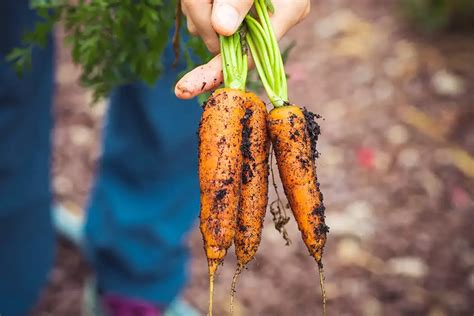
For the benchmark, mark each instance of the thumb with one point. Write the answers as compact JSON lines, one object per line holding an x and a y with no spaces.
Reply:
{"x":227,"y":15}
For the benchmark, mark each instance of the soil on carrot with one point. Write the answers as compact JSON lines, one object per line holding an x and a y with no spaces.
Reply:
{"x":247,"y":173}
{"x":314,"y":130}
{"x":396,"y":169}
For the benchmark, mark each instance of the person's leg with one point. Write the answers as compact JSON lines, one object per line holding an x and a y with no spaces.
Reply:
{"x":26,"y":235}
{"x":146,"y":196}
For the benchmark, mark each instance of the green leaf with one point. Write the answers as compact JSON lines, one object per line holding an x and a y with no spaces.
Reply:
{"x":15,"y":54}
{"x":21,"y":59}
{"x":114,"y":41}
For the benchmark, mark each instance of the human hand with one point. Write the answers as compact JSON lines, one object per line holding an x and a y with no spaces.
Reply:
{"x":208,"y":19}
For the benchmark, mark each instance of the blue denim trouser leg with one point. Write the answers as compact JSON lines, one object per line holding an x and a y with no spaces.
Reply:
{"x":146,"y":196}
{"x":26,"y":234}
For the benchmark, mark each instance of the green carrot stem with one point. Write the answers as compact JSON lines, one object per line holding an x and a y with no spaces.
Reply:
{"x":268,"y":45}
{"x":276,"y":50}
{"x":234,"y":61}
{"x":266,"y":54}
{"x":267,"y":28}
{"x":276,"y":101}
{"x":260,"y":42}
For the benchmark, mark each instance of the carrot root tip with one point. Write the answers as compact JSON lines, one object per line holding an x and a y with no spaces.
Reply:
{"x":323,"y":289}
{"x":211,"y":293}
{"x":238,"y":271}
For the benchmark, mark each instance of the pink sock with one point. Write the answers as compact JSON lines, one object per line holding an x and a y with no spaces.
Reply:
{"x":116,"y":305}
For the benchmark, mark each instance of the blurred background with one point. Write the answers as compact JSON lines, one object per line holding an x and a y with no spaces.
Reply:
{"x":394,"y":82}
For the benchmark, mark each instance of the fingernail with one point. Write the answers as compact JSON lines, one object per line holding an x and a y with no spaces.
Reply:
{"x":227,"y":17}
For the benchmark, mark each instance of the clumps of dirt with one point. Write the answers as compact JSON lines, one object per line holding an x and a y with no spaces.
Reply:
{"x":321,"y":196}
{"x":246,"y":132}
{"x":314,"y":130}
{"x":322,"y":229}
{"x":228,"y":181}
{"x":221,"y":194}
{"x":319,"y":211}
{"x":241,"y":227}
{"x":294,"y":135}
{"x":247,"y":173}
{"x":305,"y":163}
{"x":292,"y":119}
{"x":210,"y":102}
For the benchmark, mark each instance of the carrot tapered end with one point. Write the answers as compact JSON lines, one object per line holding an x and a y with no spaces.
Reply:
{"x":323,"y":289}
{"x":234,"y":285}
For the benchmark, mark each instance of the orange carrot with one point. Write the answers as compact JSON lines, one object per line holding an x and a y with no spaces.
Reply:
{"x":293,"y":133}
{"x":220,"y":171}
{"x":254,"y":197}
{"x":295,"y":148}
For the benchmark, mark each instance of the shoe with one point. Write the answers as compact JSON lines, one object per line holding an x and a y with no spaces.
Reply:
{"x":179,"y":307}
{"x":114,"y":305}
{"x":69,"y":223}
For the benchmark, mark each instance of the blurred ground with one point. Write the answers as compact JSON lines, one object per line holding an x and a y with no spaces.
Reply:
{"x":397,"y":172}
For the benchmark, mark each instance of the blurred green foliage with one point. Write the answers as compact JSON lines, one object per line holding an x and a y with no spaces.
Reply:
{"x":434,"y":15}
{"x":114,"y":41}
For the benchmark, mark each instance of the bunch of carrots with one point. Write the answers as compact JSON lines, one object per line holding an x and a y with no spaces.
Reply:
{"x":235,"y":136}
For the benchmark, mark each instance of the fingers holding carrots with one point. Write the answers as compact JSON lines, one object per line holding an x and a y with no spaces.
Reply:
{"x":202,"y":79}
{"x":206,"y":19}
